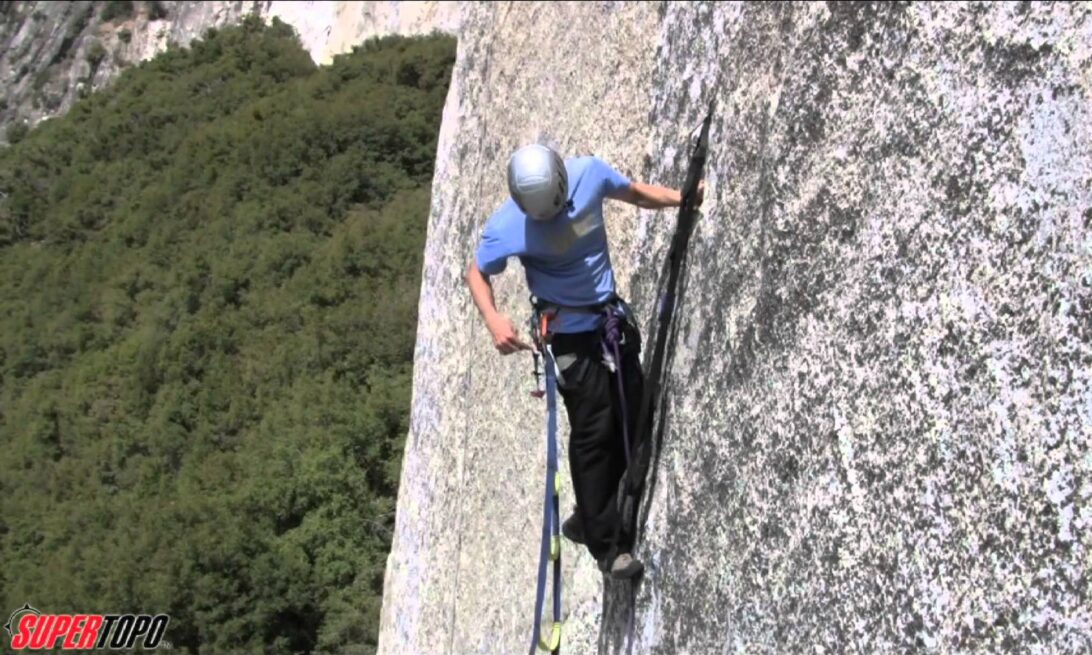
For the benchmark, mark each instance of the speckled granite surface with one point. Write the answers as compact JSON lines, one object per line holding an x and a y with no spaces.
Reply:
{"x":880,"y":404}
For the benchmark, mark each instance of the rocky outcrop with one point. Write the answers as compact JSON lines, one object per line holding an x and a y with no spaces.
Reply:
{"x":53,"y":53}
{"x":878,"y":408}
{"x":328,"y":29}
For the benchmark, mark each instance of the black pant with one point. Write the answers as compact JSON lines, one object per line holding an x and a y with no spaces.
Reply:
{"x":597,"y":457}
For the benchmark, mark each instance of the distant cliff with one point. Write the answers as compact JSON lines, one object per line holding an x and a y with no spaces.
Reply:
{"x":878,"y":410}
{"x":53,"y":52}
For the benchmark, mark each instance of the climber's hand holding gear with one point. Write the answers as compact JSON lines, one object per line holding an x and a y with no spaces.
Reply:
{"x":505,"y":338}
{"x":500,"y":326}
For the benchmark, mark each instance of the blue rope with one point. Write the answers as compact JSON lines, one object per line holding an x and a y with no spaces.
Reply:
{"x":551,"y":511}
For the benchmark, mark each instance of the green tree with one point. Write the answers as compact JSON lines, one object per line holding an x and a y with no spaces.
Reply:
{"x":209,"y":277}
{"x":96,"y":52}
{"x":115,"y":9}
{"x":156,"y":10}
{"x":16,"y":132}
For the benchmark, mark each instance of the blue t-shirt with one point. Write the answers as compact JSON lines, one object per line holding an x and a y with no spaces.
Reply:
{"x":566,"y":259}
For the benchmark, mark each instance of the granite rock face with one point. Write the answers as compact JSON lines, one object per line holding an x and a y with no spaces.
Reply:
{"x":328,"y":29}
{"x":52,"y":53}
{"x":879,"y":406}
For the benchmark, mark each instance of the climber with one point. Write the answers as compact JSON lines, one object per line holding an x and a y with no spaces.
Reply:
{"x":553,"y":222}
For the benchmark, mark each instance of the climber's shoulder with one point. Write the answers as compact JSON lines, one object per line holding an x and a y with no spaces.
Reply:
{"x":505,"y":218}
{"x":583,"y":165}
{"x":595,"y":172}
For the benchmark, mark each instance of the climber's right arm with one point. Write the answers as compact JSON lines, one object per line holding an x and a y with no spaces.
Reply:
{"x":500,"y":326}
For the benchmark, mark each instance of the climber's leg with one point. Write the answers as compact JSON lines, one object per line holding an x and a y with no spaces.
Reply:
{"x":596,"y":452}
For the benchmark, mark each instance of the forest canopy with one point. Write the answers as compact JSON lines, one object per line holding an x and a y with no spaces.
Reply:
{"x":210,"y":275}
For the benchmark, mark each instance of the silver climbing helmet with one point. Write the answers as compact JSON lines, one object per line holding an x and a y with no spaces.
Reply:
{"x":538,"y":182}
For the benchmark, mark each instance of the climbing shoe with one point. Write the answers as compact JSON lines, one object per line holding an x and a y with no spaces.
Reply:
{"x":625,"y":566}
{"x":573,"y":529}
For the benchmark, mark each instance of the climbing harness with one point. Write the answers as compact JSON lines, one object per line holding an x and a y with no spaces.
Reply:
{"x":547,"y":635}
{"x":637,"y":470}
